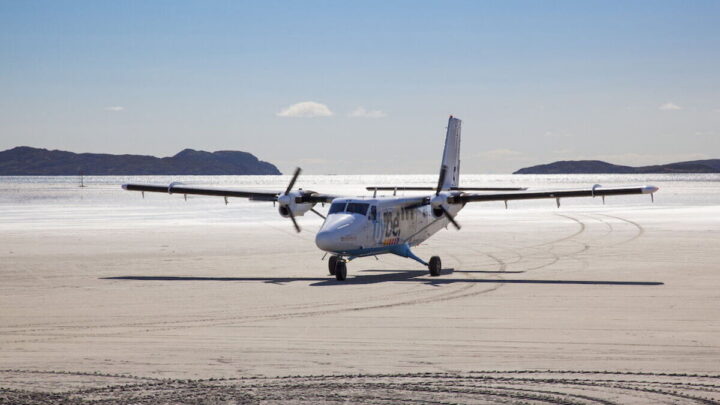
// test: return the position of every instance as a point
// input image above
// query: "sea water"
(57, 202)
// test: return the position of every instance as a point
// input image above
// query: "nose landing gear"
(332, 263)
(337, 267)
(340, 270)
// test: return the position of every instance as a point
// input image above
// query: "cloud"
(115, 108)
(361, 112)
(306, 109)
(670, 106)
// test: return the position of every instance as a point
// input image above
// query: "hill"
(600, 167)
(27, 161)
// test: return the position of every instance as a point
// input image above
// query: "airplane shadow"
(387, 276)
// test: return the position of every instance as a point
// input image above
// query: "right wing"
(301, 196)
(173, 188)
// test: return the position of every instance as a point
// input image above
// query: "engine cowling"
(440, 200)
(287, 203)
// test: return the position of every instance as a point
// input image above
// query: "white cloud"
(115, 108)
(361, 112)
(306, 109)
(670, 106)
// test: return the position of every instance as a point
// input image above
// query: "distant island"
(27, 161)
(600, 167)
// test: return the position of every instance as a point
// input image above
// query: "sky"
(365, 87)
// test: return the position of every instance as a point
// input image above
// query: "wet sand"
(581, 304)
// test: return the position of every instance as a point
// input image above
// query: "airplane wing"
(415, 188)
(595, 191)
(253, 195)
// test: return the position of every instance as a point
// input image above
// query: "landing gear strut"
(332, 263)
(340, 270)
(435, 266)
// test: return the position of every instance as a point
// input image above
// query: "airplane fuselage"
(356, 227)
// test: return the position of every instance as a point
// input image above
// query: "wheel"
(340, 271)
(332, 263)
(435, 266)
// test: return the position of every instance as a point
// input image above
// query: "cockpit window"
(358, 208)
(337, 207)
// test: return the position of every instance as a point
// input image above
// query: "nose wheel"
(340, 270)
(435, 266)
(332, 263)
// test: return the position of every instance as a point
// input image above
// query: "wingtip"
(650, 189)
(124, 186)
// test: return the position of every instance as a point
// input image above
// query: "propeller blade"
(292, 181)
(292, 218)
(450, 218)
(441, 180)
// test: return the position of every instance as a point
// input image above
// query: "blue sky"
(630, 82)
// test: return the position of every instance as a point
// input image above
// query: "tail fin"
(451, 155)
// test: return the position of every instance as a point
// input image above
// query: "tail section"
(451, 155)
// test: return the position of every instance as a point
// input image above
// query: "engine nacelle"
(440, 200)
(287, 204)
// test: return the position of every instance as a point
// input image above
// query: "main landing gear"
(338, 267)
(435, 266)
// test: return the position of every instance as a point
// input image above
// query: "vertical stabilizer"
(451, 154)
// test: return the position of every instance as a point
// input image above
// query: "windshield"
(358, 208)
(337, 207)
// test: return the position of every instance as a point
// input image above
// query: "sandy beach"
(582, 304)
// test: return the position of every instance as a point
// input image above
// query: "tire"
(340, 271)
(332, 263)
(435, 266)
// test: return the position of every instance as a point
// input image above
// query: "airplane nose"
(326, 240)
(338, 233)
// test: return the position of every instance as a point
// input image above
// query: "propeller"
(285, 204)
(292, 218)
(450, 218)
(292, 181)
(441, 181)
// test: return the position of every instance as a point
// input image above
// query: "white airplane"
(369, 226)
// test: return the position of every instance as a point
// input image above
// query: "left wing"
(595, 191)
(442, 200)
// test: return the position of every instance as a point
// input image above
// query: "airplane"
(358, 227)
